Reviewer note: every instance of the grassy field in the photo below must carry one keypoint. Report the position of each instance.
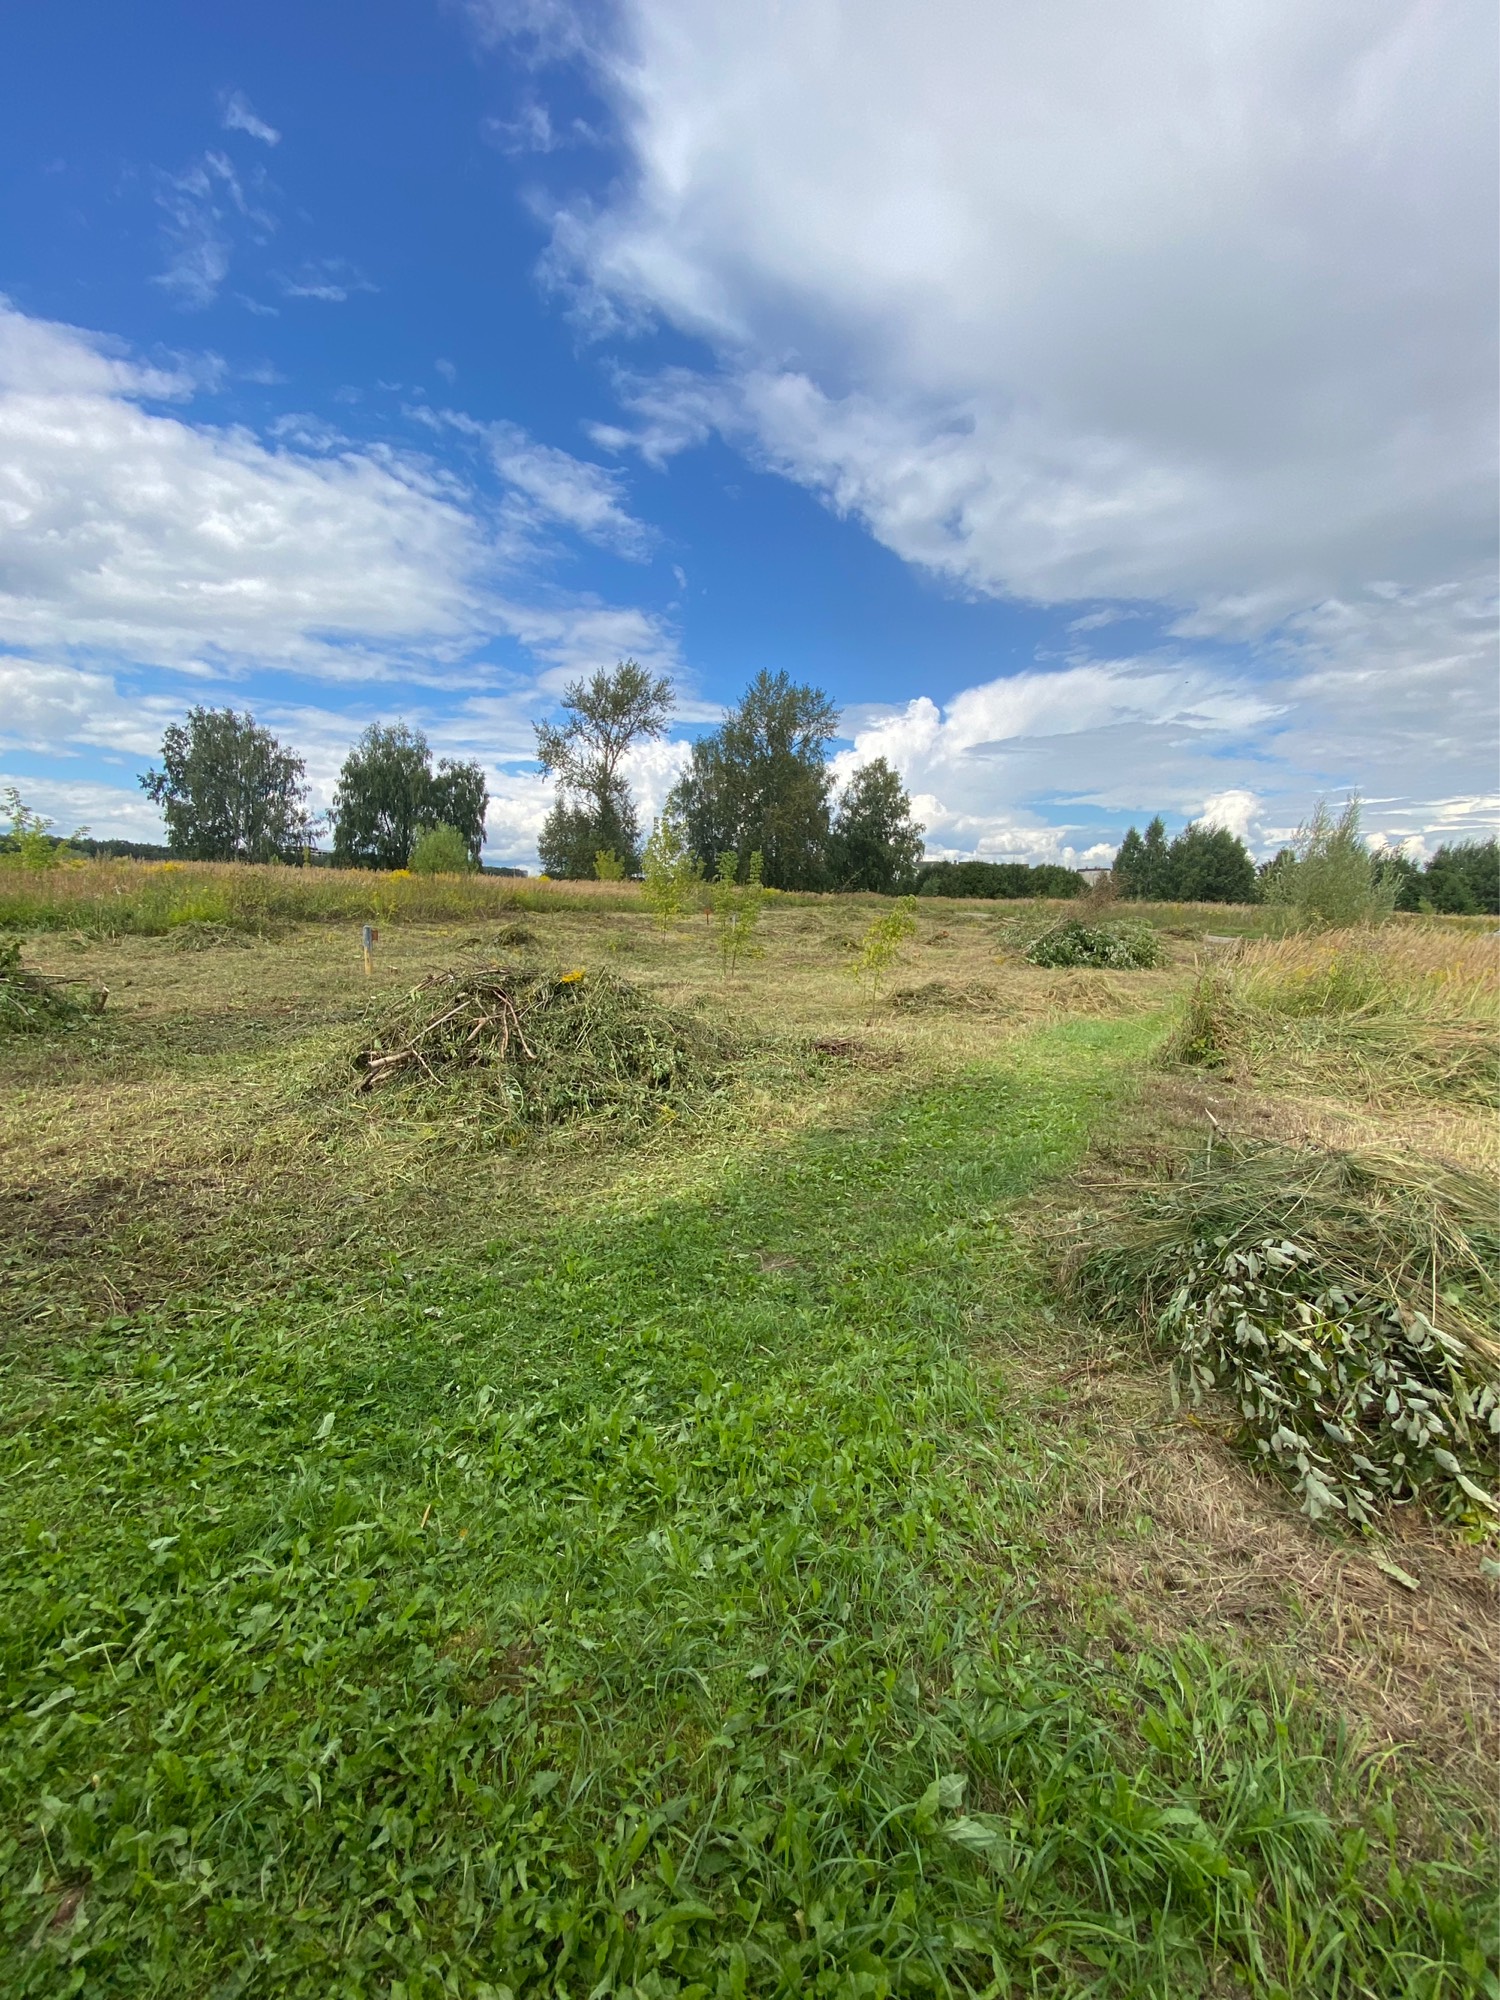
(706, 1553)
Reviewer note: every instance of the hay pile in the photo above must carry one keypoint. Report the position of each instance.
(526, 1048)
(1348, 1304)
(938, 996)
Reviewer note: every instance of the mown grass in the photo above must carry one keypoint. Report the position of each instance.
(645, 1605)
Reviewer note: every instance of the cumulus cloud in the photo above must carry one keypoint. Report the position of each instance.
(1172, 307)
(1186, 304)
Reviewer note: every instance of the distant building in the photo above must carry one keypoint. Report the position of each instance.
(1094, 876)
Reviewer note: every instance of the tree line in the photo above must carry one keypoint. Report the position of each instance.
(759, 784)
(1327, 869)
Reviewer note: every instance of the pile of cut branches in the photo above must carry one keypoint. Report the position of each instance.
(529, 1047)
(32, 1002)
(1348, 1305)
(1117, 947)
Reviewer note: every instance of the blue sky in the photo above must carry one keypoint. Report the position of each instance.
(1100, 409)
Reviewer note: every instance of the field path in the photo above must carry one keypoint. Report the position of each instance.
(643, 1610)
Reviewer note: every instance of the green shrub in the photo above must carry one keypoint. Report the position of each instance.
(1328, 876)
(441, 850)
(1115, 947)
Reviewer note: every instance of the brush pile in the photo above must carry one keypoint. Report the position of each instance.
(531, 1048)
(1348, 1305)
(31, 1002)
(1116, 947)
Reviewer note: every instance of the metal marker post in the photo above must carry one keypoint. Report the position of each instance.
(368, 940)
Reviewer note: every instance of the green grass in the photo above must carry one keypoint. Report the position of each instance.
(647, 1607)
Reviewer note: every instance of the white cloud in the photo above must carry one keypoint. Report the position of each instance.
(1168, 302)
(236, 114)
(1170, 305)
(582, 496)
(549, 487)
(1236, 811)
(44, 705)
(331, 279)
(198, 205)
(131, 535)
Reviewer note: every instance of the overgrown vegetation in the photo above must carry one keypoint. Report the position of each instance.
(441, 850)
(1004, 881)
(1115, 947)
(1328, 876)
(152, 899)
(1387, 1014)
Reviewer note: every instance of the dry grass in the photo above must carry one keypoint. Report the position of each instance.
(155, 898)
(1169, 1532)
(1429, 972)
(1391, 1017)
(1161, 1527)
(181, 1138)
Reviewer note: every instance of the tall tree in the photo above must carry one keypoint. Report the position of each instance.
(874, 842)
(1208, 864)
(1462, 879)
(1156, 863)
(229, 791)
(594, 810)
(382, 792)
(388, 793)
(1129, 870)
(459, 796)
(759, 784)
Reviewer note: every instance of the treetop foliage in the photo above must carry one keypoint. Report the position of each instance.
(1008, 881)
(229, 791)
(760, 784)
(1202, 864)
(594, 812)
(874, 843)
(388, 793)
